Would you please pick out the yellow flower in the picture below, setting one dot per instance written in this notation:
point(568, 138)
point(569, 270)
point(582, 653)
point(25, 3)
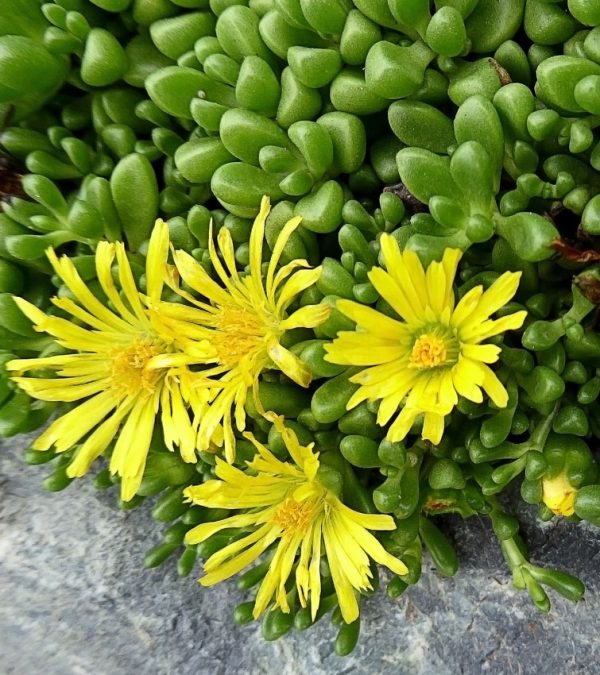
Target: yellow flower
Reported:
point(424, 361)
point(243, 320)
point(288, 505)
point(116, 363)
point(559, 495)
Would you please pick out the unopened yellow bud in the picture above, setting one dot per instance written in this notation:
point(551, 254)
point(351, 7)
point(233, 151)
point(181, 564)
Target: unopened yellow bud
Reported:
point(559, 495)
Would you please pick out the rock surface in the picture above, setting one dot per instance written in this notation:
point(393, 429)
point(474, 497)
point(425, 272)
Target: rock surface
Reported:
point(74, 599)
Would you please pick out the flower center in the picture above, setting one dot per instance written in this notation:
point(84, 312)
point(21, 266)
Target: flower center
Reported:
point(129, 373)
point(428, 351)
point(295, 517)
point(237, 333)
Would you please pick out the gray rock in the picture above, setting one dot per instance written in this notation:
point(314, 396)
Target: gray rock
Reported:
point(74, 599)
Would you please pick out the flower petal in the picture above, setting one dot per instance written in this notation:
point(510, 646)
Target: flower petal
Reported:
point(494, 388)
point(484, 353)
point(298, 282)
point(156, 260)
point(406, 270)
point(257, 237)
point(433, 428)
point(290, 364)
point(280, 242)
point(309, 316)
point(373, 321)
point(496, 296)
point(391, 291)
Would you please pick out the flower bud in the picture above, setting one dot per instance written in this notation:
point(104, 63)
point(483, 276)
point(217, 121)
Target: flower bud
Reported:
point(559, 495)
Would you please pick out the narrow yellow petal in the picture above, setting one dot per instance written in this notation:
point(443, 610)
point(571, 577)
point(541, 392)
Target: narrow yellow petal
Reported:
point(240, 412)
point(33, 313)
point(375, 550)
point(236, 564)
point(283, 273)
point(391, 291)
point(57, 363)
point(464, 385)
point(156, 260)
point(105, 255)
point(433, 428)
point(465, 306)
point(175, 359)
point(228, 435)
point(222, 555)
point(450, 262)
point(371, 320)
point(437, 284)
point(227, 251)
point(182, 430)
point(67, 305)
point(350, 556)
point(281, 241)
point(128, 284)
point(203, 531)
point(363, 349)
point(173, 279)
point(390, 402)
point(214, 416)
point(483, 353)
point(496, 296)
point(271, 581)
point(289, 364)
point(494, 388)
point(257, 237)
point(303, 456)
point(382, 375)
point(96, 444)
point(445, 392)
point(402, 424)
point(370, 521)
point(487, 329)
point(198, 278)
point(74, 425)
point(309, 316)
point(68, 273)
point(129, 440)
point(314, 572)
point(285, 569)
point(298, 282)
point(343, 588)
point(66, 389)
point(406, 270)
point(302, 570)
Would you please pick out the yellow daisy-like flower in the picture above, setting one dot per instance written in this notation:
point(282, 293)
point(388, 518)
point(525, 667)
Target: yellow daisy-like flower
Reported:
point(559, 495)
point(116, 363)
point(424, 361)
point(288, 505)
point(243, 320)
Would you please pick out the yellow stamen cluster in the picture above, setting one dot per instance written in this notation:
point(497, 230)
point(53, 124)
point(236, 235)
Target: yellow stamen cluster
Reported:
point(237, 333)
point(428, 352)
point(129, 368)
point(295, 517)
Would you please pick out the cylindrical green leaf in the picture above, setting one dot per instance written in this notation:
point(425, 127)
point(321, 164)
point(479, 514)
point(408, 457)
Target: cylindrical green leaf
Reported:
point(104, 60)
point(135, 195)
